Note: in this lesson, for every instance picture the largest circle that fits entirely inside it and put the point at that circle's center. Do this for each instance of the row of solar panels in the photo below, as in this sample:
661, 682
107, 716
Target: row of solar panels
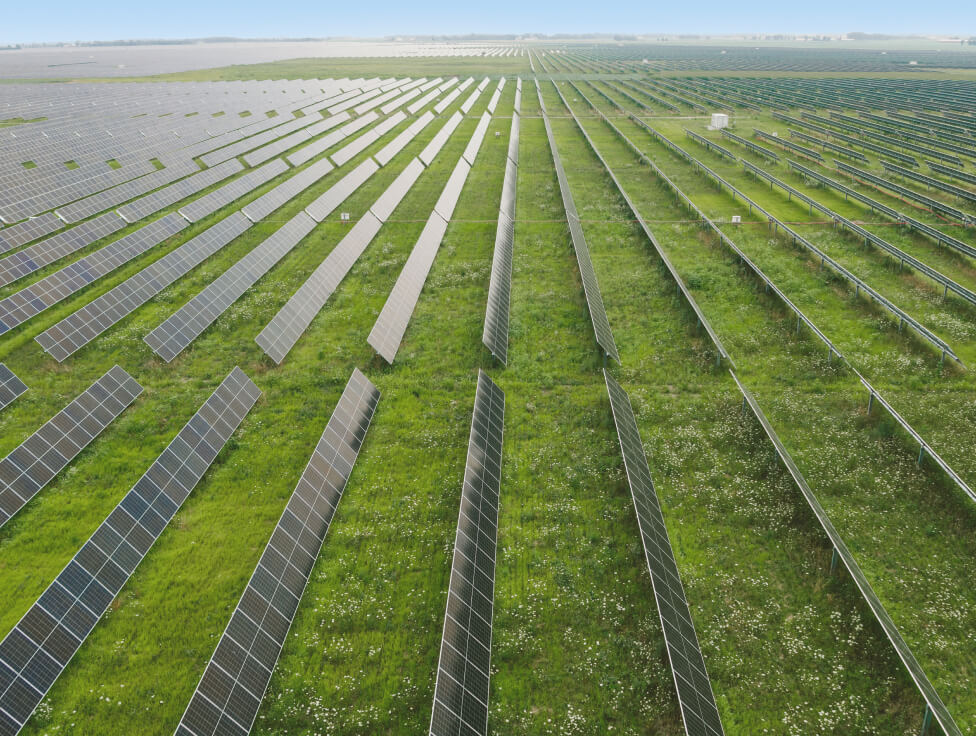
178, 331
695, 698
291, 321
495, 334
591, 288
227, 698
148, 134
391, 324
37, 650
721, 352
77, 330
896, 215
859, 284
869, 237
273, 128
915, 670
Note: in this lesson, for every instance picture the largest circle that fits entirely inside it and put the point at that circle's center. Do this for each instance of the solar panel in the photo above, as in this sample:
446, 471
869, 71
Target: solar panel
440, 138
400, 101
695, 698
472, 98
376, 101
338, 192
513, 140
35, 653
182, 189
414, 107
281, 334
30, 467
50, 290
228, 696
452, 190
101, 201
349, 151
476, 139
10, 386
80, 328
313, 149
591, 288
463, 669
391, 149
213, 201
446, 102
255, 141
36, 256
358, 99
495, 334
187, 323
387, 202
28, 230
391, 324
286, 191
493, 102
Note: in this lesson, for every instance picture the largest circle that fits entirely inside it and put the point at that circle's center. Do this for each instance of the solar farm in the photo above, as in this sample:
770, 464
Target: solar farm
518, 388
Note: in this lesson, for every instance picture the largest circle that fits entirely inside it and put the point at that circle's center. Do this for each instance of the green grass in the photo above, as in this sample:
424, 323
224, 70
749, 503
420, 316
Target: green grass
863, 471
577, 646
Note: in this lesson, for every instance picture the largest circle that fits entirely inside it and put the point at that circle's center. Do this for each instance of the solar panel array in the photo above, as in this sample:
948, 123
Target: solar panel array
290, 141
101, 201
313, 149
591, 288
954, 173
933, 204
27, 303
495, 334
695, 697
213, 201
182, 189
229, 694
116, 138
391, 149
287, 326
335, 195
32, 465
496, 95
282, 129
171, 337
440, 138
83, 326
391, 324
28, 230
286, 191
36, 256
10, 386
63, 188
915, 671
463, 669
350, 150
37, 650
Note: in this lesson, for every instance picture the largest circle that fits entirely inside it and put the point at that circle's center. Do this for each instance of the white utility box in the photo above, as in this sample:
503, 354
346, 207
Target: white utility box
719, 120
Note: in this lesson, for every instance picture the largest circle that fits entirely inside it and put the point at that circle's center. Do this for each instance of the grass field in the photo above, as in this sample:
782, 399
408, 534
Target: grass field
791, 648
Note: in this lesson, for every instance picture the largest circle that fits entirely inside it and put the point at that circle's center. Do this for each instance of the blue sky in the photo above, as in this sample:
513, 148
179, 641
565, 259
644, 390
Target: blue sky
66, 20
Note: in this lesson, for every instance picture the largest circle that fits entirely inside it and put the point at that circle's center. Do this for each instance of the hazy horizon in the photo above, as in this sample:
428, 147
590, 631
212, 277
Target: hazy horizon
65, 22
